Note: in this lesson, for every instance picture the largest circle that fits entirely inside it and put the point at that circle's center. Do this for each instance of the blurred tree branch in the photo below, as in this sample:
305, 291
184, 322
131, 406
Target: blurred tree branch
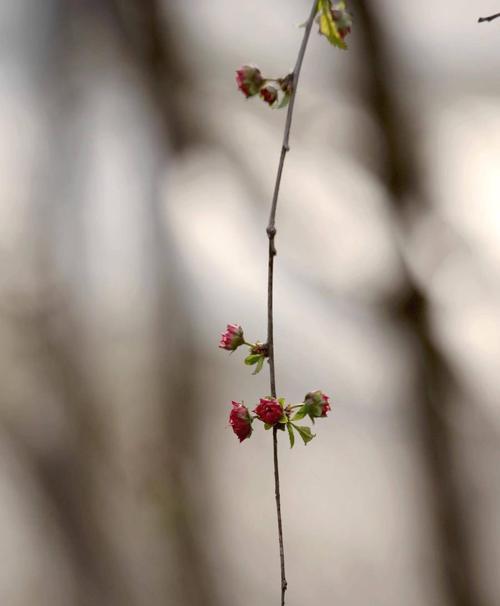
434, 380
149, 30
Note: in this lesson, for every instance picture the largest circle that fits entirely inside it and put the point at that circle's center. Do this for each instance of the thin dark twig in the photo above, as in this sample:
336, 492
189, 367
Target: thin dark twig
271, 233
490, 18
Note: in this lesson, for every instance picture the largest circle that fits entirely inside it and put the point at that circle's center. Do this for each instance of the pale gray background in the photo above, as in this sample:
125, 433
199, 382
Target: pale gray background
135, 189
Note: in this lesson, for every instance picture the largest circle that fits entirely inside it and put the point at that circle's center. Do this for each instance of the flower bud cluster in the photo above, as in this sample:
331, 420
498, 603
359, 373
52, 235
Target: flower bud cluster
342, 18
233, 337
334, 21
251, 82
273, 412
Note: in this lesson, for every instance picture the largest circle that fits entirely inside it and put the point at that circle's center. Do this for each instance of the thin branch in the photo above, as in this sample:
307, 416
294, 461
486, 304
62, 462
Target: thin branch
271, 233
490, 18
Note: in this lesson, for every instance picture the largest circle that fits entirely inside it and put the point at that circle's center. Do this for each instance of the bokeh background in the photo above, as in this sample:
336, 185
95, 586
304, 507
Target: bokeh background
135, 189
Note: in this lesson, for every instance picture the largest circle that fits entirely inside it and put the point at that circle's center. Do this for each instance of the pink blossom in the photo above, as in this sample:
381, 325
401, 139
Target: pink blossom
249, 80
269, 410
232, 338
343, 20
241, 421
269, 94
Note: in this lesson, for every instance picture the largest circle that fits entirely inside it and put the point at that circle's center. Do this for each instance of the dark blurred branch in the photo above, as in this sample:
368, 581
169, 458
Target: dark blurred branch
154, 41
490, 18
434, 377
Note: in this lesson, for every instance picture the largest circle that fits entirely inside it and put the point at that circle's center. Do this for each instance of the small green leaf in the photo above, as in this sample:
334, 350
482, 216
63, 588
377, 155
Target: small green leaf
267, 426
291, 434
282, 402
284, 101
305, 433
252, 359
260, 363
300, 414
284, 419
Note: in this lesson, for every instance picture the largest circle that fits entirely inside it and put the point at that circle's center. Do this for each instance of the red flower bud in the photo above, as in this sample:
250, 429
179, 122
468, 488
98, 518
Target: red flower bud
317, 403
249, 80
343, 20
241, 421
232, 338
269, 410
269, 94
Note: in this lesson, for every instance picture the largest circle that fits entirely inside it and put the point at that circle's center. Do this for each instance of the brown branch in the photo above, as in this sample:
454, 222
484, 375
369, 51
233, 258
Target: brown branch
490, 18
271, 233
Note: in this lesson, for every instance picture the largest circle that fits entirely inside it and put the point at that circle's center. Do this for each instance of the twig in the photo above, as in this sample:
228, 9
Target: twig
490, 18
271, 233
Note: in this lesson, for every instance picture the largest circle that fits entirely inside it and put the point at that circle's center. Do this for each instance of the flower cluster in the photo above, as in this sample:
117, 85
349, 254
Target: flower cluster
334, 22
272, 412
251, 82
233, 337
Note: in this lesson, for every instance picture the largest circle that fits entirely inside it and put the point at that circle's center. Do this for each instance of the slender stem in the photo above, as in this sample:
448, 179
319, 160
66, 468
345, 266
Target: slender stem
278, 511
271, 233
490, 18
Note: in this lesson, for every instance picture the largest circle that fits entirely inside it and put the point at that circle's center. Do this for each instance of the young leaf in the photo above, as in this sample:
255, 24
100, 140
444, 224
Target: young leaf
305, 433
284, 419
267, 426
252, 359
260, 363
300, 414
291, 434
284, 101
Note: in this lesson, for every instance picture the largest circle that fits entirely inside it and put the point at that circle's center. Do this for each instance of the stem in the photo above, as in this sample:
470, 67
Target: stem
278, 511
271, 233
490, 18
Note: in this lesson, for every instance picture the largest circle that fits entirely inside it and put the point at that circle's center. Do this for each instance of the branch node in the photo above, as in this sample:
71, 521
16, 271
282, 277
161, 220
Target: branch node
271, 232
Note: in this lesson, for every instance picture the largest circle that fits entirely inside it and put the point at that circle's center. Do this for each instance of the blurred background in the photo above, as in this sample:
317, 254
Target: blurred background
135, 190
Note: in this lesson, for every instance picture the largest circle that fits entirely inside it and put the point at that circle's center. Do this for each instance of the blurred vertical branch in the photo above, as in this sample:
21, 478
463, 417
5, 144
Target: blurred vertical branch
147, 34
153, 38
153, 42
42, 318
67, 480
435, 382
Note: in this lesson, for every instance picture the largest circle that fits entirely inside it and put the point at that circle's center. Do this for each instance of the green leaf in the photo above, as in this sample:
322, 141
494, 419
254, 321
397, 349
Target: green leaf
300, 414
305, 433
327, 25
260, 363
252, 359
283, 419
291, 435
267, 426
282, 402
284, 101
